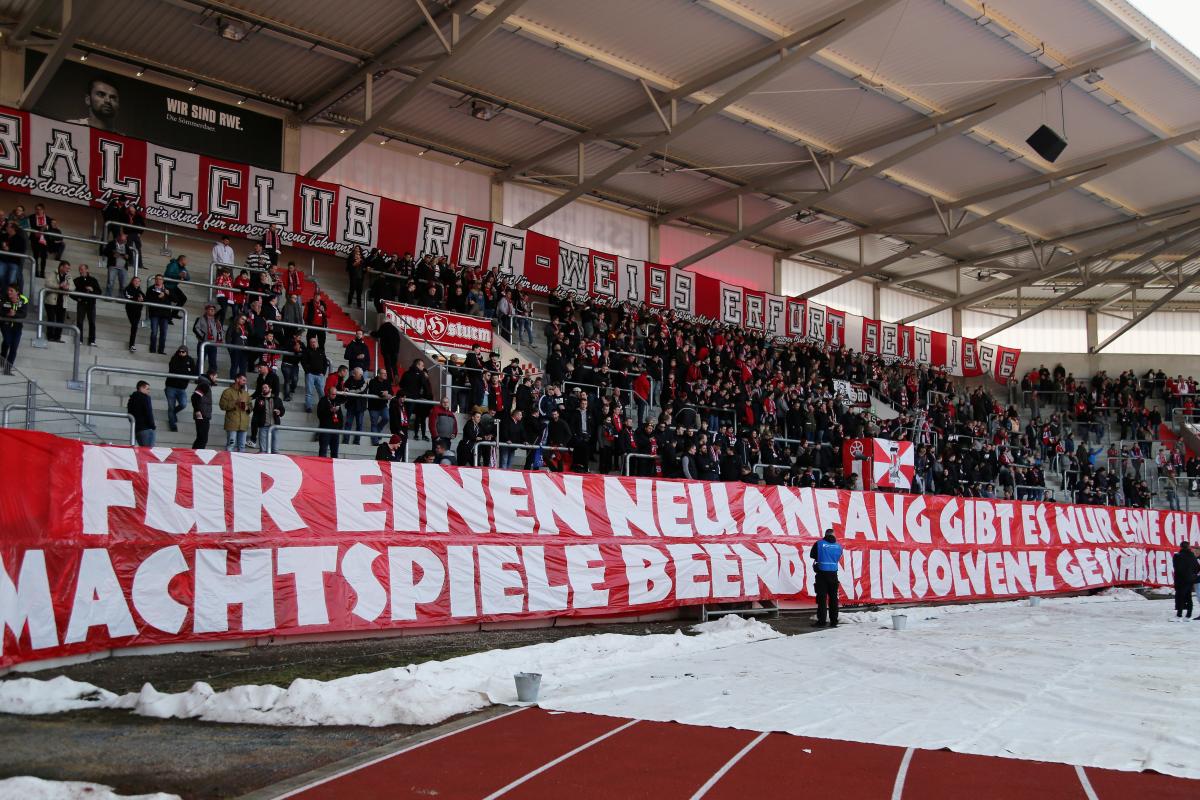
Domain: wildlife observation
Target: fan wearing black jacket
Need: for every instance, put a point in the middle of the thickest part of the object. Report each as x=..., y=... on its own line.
x=1187, y=570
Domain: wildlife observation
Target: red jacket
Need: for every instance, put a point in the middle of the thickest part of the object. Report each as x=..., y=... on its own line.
x=436, y=414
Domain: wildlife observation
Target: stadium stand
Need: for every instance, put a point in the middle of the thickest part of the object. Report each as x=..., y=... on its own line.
x=614, y=390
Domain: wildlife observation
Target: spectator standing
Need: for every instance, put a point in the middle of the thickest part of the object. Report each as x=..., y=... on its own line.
x=389, y=344
x=256, y=264
x=317, y=316
x=329, y=416
x=268, y=411
x=85, y=308
x=442, y=422
x=222, y=253
x=289, y=366
x=37, y=224
x=14, y=245
x=380, y=389
x=315, y=364
x=356, y=407
x=1187, y=570
x=512, y=431
x=415, y=383
x=272, y=243
x=160, y=295
x=826, y=555
x=56, y=309
x=293, y=281
x=358, y=354
x=176, y=388
x=237, y=337
x=235, y=402
x=142, y=411
x=133, y=309
x=224, y=293
x=293, y=314
x=356, y=272
x=176, y=271
x=118, y=255
x=398, y=414
x=13, y=309
x=208, y=328
x=202, y=399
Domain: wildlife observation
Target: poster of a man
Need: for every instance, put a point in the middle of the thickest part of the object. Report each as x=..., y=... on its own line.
x=103, y=102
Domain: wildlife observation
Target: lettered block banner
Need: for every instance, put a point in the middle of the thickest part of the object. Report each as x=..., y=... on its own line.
x=109, y=547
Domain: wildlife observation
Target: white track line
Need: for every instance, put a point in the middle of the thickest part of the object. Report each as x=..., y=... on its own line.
x=549, y=764
x=394, y=753
x=1087, y=785
x=703, y=790
x=898, y=789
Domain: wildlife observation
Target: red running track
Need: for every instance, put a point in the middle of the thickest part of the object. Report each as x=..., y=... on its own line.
x=532, y=753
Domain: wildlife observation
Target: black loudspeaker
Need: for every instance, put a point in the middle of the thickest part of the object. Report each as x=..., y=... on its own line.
x=1047, y=144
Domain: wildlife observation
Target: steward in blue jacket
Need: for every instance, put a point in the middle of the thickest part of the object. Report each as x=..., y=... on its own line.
x=826, y=555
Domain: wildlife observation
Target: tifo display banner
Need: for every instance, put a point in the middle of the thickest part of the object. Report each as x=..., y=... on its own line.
x=113, y=547
x=855, y=395
x=81, y=164
x=119, y=104
x=442, y=328
x=880, y=463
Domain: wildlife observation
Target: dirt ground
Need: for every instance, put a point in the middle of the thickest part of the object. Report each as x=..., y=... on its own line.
x=195, y=759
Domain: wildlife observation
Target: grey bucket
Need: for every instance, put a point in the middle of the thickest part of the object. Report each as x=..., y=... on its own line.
x=899, y=622
x=1035, y=601
x=528, y=684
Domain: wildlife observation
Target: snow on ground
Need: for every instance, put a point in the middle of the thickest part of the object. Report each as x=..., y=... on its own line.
x=421, y=694
x=1107, y=681
x=27, y=788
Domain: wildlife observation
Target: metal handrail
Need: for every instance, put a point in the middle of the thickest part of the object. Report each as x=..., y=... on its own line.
x=335, y=331
x=630, y=456
x=212, y=269
x=70, y=328
x=166, y=234
x=137, y=259
x=273, y=432
x=246, y=347
x=105, y=298
x=88, y=380
x=73, y=411
x=210, y=286
x=5, y=254
x=1174, y=481
x=514, y=446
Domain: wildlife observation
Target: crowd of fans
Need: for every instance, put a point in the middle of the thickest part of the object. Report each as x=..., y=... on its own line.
x=621, y=389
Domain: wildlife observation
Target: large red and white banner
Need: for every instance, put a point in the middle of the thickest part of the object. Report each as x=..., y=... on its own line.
x=78, y=164
x=112, y=547
x=442, y=328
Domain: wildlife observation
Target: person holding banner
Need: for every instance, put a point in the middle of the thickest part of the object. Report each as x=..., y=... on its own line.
x=826, y=555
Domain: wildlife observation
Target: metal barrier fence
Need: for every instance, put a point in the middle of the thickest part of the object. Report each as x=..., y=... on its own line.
x=1169, y=488
x=629, y=459
x=272, y=431
x=163, y=232
x=40, y=340
x=242, y=347
x=88, y=380
x=25, y=284
x=73, y=383
x=29, y=418
x=502, y=446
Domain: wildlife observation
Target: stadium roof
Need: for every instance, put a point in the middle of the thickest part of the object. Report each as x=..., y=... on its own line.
x=885, y=138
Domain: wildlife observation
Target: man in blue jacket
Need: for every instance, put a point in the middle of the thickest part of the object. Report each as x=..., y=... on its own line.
x=826, y=555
